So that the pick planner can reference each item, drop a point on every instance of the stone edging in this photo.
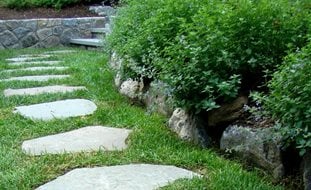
(45, 33)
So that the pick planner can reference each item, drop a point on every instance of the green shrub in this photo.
(207, 50)
(290, 98)
(58, 4)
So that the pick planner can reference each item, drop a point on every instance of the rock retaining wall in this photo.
(44, 33)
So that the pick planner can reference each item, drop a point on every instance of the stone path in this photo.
(57, 110)
(123, 177)
(86, 139)
(19, 63)
(38, 78)
(35, 69)
(42, 90)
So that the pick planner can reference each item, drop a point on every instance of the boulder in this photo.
(158, 98)
(131, 89)
(306, 168)
(188, 127)
(227, 112)
(261, 147)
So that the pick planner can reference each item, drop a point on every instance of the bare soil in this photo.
(69, 12)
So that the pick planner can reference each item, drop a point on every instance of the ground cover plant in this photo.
(208, 51)
(151, 141)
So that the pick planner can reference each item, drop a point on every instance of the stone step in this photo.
(34, 63)
(99, 30)
(122, 177)
(87, 42)
(99, 33)
(57, 110)
(35, 69)
(42, 90)
(87, 139)
(38, 78)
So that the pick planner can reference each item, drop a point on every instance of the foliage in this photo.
(113, 110)
(290, 99)
(58, 4)
(207, 50)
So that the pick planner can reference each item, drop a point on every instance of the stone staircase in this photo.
(98, 34)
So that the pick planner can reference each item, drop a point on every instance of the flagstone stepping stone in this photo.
(27, 58)
(61, 52)
(122, 177)
(39, 78)
(34, 63)
(57, 110)
(42, 90)
(36, 69)
(86, 139)
(35, 55)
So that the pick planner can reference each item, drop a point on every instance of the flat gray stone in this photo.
(60, 52)
(24, 58)
(34, 63)
(42, 90)
(86, 139)
(57, 110)
(123, 177)
(39, 78)
(35, 69)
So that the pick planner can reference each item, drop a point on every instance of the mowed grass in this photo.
(151, 141)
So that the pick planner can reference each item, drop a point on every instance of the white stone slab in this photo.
(81, 140)
(60, 52)
(36, 69)
(35, 55)
(35, 63)
(123, 177)
(57, 110)
(39, 78)
(23, 58)
(42, 90)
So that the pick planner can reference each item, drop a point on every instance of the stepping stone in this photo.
(35, 55)
(42, 90)
(34, 63)
(123, 177)
(57, 110)
(23, 58)
(61, 52)
(86, 139)
(36, 69)
(39, 78)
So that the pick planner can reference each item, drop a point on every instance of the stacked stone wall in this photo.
(45, 33)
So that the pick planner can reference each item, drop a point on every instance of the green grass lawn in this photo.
(151, 141)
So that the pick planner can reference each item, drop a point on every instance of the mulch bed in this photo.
(70, 12)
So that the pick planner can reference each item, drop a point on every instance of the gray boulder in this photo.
(158, 98)
(131, 89)
(306, 168)
(188, 127)
(261, 147)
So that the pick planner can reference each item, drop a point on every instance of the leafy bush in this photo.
(290, 98)
(207, 50)
(58, 4)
